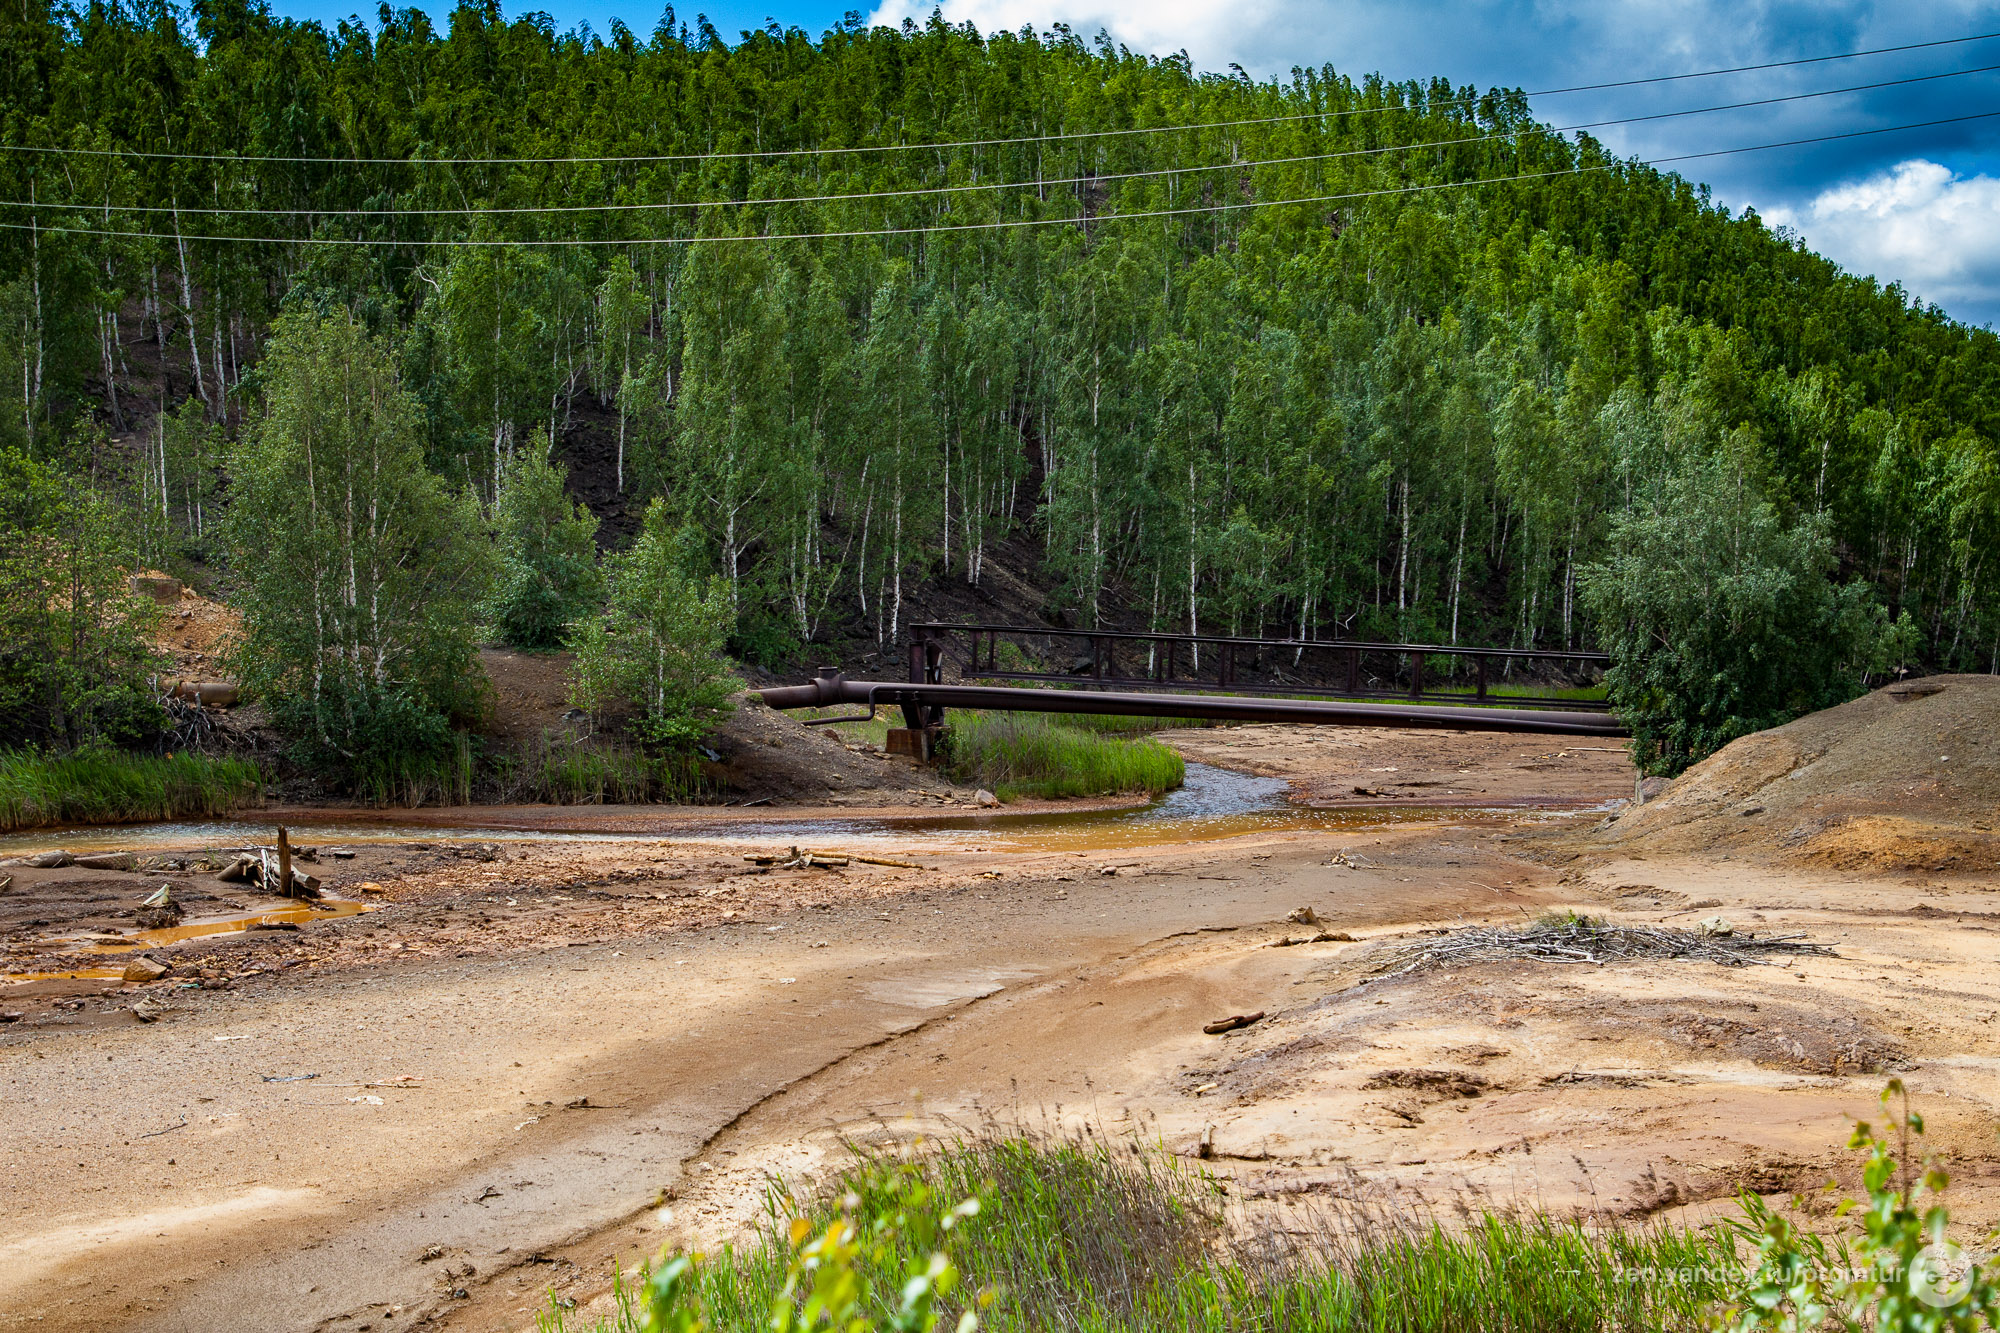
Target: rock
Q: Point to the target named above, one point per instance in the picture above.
(160, 911)
(108, 861)
(985, 797)
(1302, 916)
(148, 1010)
(46, 860)
(143, 968)
(1651, 789)
(12, 1016)
(370, 886)
(1717, 927)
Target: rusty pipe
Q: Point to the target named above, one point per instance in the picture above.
(832, 688)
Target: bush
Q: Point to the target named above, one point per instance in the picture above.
(548, 575)
(1720, 621)
(659, 642)
(74, 652)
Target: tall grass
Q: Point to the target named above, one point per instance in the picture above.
(113, 787)
(1035, 754)
(1081, 1237)
(565, 770)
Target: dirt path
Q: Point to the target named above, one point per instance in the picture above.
(524, 1054)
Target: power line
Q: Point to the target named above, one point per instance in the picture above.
(933, 190)
(978, 143)
(1003, 223)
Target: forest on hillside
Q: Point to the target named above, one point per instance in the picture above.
(858, 310)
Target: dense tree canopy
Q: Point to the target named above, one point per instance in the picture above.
(1408, 409)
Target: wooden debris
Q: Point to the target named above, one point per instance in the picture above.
(1579, 939)
(798, 860)
(1232, 1023)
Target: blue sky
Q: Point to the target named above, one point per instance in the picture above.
(1919, 207)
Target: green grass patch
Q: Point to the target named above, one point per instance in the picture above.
(1496, 690)
(1040, 755)
(1086, 1236)
(113, 787)
(563, 770)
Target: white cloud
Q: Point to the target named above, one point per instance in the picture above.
(1919, 224)
(1213, 33)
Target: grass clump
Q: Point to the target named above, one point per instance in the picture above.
(565, 770)
(1079, 1236)
(1038, 755)
(100, 786)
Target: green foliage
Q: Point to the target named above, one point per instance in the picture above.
(74, 652)
(881, 1263)
(548, 576)
(360, 573)
(1722, 621)
(1901, 1275)
(565, 769)
(660, 641)
(1154, 1254)
(1043, 755)
(97, 785)
(1406, 417)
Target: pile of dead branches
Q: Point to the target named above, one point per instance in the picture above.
(1582, 939)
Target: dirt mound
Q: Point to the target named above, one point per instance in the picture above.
(1905, 778)
(194, 631)
(769, 755)
(762, 755)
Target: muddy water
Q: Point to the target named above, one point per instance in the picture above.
(1214, 803)
(326, 910)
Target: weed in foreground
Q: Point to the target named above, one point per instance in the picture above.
(1084, 1237)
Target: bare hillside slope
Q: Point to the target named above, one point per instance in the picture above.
(1905, 778)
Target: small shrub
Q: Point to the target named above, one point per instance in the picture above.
(1901, 1275)
(548, 576)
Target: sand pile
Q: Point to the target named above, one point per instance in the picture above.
(1905, 778)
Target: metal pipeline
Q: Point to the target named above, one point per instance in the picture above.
(831, 689)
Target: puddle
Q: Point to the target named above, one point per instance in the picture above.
(331, 909)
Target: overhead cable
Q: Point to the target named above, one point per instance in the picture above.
(997, 224)
(976, 186)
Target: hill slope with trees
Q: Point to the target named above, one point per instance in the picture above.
(861, 311)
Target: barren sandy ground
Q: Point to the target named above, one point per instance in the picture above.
(522, 1055)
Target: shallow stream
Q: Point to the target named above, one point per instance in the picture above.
(1213, 804)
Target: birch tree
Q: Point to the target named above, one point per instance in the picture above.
(360, 574)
